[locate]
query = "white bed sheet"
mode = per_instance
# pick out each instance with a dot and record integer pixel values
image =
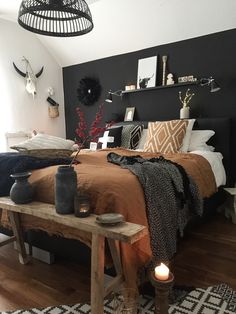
(215, 160)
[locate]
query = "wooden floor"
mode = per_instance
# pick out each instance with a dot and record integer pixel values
(206, 257)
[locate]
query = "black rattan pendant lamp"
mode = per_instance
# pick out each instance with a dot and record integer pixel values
(59, 18)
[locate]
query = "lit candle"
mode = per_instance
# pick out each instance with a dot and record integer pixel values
(84, 209)
(81, 205)
(162, 272)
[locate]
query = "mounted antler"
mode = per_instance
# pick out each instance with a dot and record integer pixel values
(29, 76)
(19, 71)
(39, 73)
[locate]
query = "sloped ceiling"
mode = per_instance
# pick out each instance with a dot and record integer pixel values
(122, 26)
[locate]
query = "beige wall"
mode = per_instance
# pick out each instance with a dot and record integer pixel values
(18, 110)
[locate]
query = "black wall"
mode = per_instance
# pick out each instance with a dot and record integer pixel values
(211, 55)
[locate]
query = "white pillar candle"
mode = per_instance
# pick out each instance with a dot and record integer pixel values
(162, 272)
(93, 146)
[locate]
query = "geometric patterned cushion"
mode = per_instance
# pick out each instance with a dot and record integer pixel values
(131, 135)
(165, 137)
(135, 136)
(126, 134)
(116, 133)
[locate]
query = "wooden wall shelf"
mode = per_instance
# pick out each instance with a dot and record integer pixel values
(159, 87)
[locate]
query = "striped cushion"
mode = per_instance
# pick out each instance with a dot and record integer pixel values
(45, 141)
(165, 137)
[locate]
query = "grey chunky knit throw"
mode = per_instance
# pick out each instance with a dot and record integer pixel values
(171, 198)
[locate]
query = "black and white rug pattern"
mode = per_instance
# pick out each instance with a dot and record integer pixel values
(219, 299)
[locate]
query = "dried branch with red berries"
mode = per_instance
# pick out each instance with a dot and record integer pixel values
(88, 135)
(85, 134)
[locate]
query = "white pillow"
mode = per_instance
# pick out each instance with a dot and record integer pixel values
(199, 139)
(45, 141)
(186, 140)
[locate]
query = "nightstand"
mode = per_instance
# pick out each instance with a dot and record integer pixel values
(230, 205)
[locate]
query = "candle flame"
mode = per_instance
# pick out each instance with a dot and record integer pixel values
(164, 267)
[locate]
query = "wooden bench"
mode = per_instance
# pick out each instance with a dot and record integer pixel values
(125, 232)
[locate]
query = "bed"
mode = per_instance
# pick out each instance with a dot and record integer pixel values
(102, 180)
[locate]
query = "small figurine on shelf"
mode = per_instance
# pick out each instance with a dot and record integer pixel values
(184, 112)
(170, 79)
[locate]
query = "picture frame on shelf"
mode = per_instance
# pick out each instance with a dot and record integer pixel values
(147, 71)
(129, 114)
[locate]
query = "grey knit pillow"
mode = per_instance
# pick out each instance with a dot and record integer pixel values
(125, 136)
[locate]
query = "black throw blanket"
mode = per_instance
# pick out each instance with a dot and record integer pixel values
(15, 163)
(171, 197)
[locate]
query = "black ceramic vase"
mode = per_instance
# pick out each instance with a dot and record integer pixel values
(65, 189)
(21, 191)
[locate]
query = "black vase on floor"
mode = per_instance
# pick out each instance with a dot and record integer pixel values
(21, 191)
(65, 189)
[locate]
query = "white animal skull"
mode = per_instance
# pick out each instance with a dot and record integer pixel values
(29, 76)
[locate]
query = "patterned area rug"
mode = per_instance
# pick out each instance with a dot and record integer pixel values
(213, 300)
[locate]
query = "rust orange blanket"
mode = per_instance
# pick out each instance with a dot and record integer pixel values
(113, 189)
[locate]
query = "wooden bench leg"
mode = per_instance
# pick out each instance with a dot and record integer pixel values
(115, 253)
(97, 274)
(15, 223)
(10, 239)
(119, 280)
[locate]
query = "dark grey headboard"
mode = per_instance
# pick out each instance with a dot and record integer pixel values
(221, 140)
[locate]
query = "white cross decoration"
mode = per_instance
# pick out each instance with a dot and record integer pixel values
(106, 139)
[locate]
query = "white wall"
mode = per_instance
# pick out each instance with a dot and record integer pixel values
(122, 26)
(18, 110)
